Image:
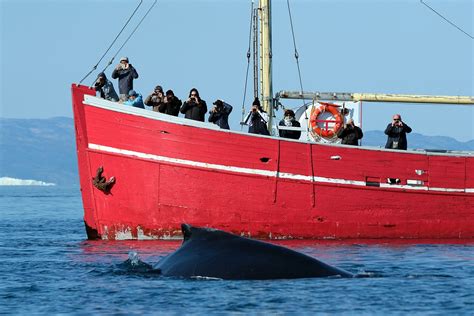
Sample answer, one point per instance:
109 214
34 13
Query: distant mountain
45 149
39 149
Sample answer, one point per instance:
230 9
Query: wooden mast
266 59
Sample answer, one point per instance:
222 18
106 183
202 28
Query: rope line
131 34
298 66
294 45
439 14
113 42
248 65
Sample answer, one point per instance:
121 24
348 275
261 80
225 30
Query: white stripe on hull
266 173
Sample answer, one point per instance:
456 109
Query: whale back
212 253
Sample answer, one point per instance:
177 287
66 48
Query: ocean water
48 267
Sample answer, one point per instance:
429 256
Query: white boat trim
266 173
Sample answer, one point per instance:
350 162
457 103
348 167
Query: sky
371 46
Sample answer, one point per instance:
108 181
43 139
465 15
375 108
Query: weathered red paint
150 199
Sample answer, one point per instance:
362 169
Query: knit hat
159 88
124 59
132 93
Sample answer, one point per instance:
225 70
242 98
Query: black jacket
350 135
125 78
171 107
258 124
194 111
397 134
290 134
221 116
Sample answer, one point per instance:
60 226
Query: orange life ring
313 120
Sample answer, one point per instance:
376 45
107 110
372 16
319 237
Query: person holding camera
289 121
171 104
258 119
106 88
219 114
350 134
397 133
194 107
155 99
125 73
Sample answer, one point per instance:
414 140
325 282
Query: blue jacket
138 102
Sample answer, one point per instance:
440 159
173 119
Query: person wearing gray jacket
106 88
125 73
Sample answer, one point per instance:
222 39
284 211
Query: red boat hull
170 170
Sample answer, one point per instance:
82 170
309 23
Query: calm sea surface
48 266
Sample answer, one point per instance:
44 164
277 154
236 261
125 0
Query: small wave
198 277
368 274
424 276
132 266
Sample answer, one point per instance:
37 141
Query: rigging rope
248 66
298 65
131 34
113 42
447 20
294 45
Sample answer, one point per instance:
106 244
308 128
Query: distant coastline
6 181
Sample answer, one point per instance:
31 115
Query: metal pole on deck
378 97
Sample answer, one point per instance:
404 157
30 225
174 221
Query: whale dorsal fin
186 229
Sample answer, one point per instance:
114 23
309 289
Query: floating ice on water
13 181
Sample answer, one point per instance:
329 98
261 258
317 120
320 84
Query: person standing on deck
397 133
171 104
350 134
194 107
219 114
155 99
258 119
106 88
125 73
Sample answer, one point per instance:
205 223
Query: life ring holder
313 120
